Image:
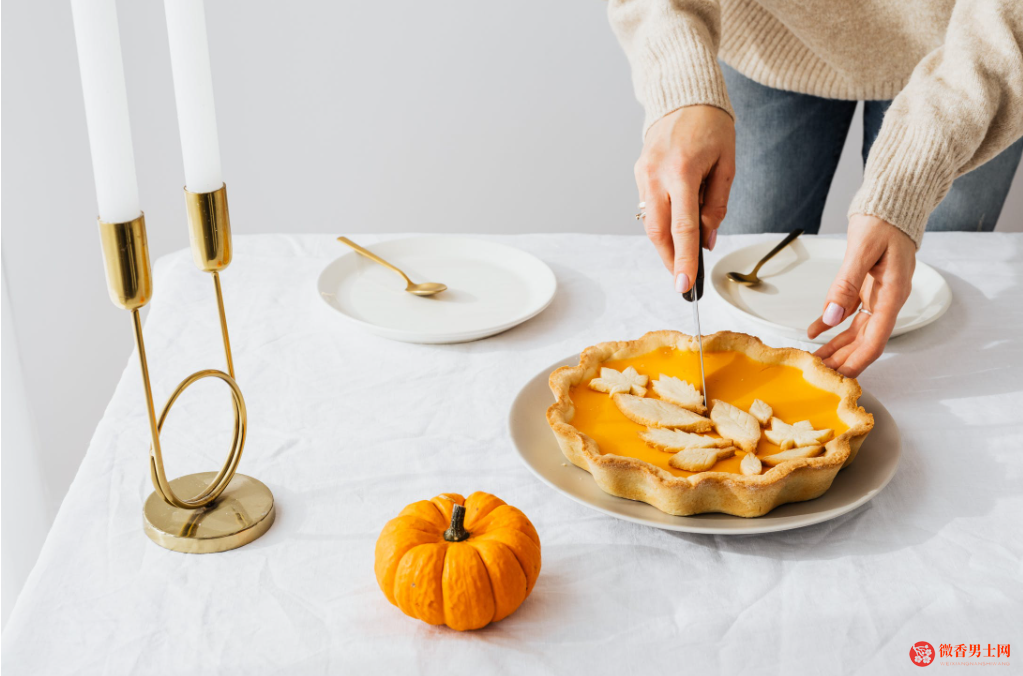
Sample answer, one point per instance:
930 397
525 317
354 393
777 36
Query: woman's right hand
684 175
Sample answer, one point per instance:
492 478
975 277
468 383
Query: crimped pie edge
735 494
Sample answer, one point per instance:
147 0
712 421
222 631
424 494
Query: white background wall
455 116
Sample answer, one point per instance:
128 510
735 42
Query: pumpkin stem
457 532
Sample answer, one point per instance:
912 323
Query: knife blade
693 295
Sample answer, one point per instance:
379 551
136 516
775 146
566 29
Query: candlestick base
209 511
242 513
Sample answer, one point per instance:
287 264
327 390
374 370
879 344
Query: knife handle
696 293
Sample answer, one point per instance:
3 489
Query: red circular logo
922 653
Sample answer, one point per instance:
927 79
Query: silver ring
867 312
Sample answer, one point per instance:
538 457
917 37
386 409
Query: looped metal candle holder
226 509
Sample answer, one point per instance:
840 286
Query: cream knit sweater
954 68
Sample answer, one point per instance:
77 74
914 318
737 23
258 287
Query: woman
943 85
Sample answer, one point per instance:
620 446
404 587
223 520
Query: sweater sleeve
962 106
672 48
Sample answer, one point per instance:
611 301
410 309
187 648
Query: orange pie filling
731 377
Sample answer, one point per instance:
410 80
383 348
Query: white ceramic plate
491 288
874 467
796 281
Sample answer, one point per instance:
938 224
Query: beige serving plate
857 484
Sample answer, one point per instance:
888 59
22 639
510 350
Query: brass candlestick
226 510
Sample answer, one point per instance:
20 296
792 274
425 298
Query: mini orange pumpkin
456 561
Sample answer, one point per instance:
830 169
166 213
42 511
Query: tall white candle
106 109
193 90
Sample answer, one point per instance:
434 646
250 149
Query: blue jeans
787 147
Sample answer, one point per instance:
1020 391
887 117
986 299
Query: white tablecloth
347 428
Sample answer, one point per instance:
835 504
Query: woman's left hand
877 273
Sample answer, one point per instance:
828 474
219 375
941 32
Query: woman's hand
878 273
684 176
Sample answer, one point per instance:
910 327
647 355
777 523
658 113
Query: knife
693 295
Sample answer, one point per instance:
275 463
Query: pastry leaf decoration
628 381
795 436
679 392
735 424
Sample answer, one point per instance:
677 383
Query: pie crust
738 494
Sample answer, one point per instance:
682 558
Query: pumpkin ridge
510 538
515 558
390 554
501 530
490 579
416 604
444 502
433 514
478 507
464 595
512 518
409 522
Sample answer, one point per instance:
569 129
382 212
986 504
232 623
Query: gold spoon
424 289
751 278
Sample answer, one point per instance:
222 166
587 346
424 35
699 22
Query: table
347 428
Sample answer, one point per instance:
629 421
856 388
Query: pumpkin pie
778 428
